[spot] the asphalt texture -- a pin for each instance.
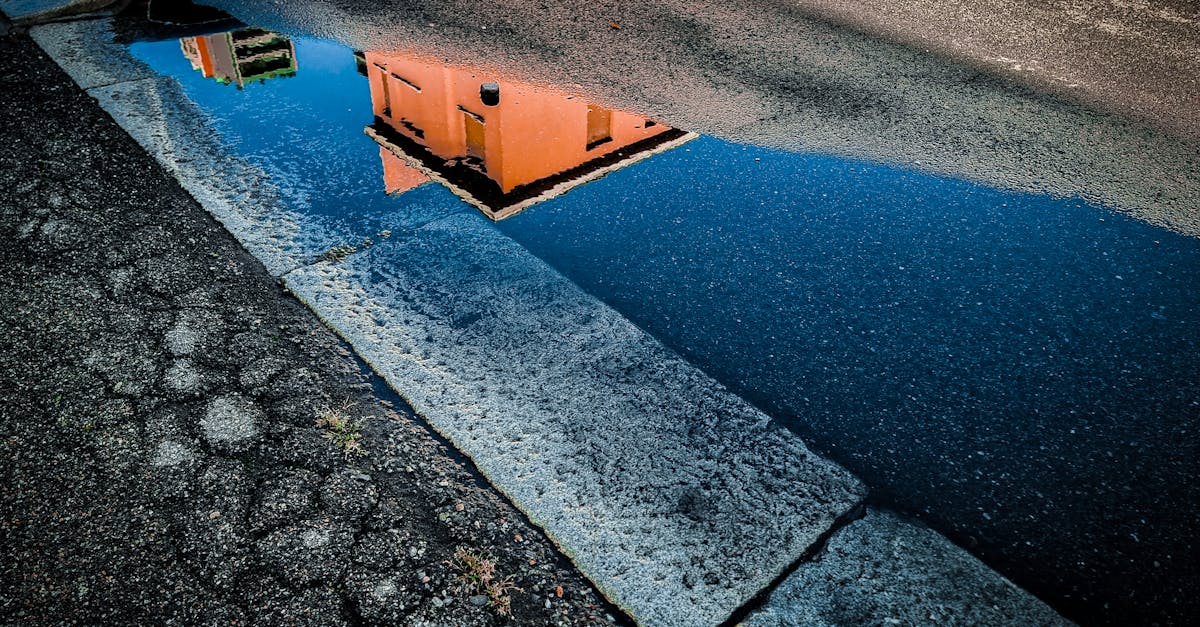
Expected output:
(161, 453)
(1137, 58)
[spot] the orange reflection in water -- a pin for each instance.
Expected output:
(501, 145)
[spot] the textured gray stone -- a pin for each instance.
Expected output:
(285, 498)
(882, 570)
(86, 51)
(171, 453)
(194, 329)
(231, 424)
(183, 379)
(309, 552)
(675, 496)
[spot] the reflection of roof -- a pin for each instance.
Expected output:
(482, 192)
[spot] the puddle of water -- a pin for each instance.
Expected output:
(303, 125)
(1020, 370)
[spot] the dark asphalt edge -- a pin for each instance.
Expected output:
(20, 28)
(7, 28)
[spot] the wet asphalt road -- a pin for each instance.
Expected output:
(754, 87)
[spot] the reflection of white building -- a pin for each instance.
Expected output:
(504, 155)
(241, 56)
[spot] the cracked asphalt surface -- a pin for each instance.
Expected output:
(158, 439)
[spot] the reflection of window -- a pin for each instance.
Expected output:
(387, 97)
(407, 82)
(599, 126)
(475, 134)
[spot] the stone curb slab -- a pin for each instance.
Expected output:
(87, 53)
(680, 500)
(881, 570)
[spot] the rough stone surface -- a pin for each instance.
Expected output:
(114, 506)
(231, 424)
(882, 570)
(86, 50)
(169, 453)
(678, 498)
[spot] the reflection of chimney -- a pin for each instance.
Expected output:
(489, 94)
(500, 145)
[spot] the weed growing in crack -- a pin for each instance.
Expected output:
(344, 431)
(337, 253)
(478, 576)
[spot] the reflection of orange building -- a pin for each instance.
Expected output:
(501, 146)
(241, 56)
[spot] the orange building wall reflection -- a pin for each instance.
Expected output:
(438, 121)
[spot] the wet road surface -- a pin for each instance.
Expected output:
(1018, 369)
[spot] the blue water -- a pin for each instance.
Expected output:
(1023, 372)
(306, 132)
(1020, 371)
